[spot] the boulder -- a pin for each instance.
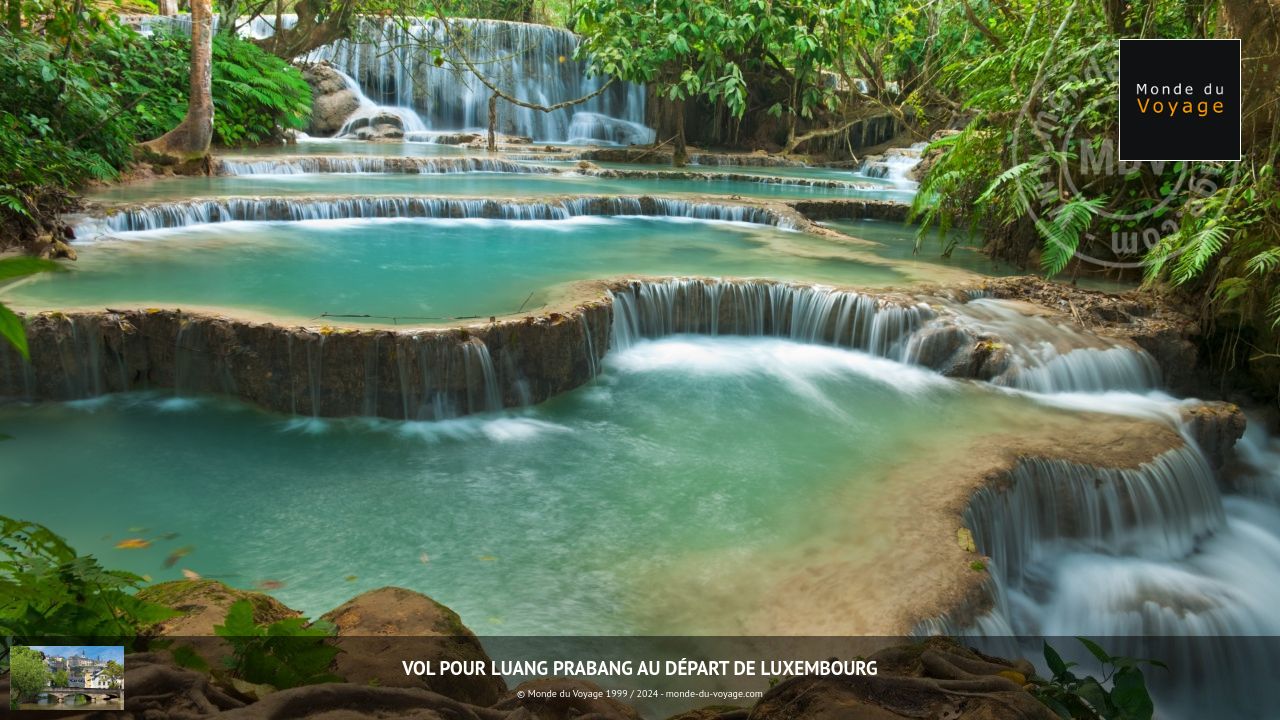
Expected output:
(379, 126)
(201, 605)
(204, 603)
(332, 100)
(545, 699)
(379, 629)
(1215, 426)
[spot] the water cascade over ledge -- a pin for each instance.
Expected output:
(155, 216)
(395, 64)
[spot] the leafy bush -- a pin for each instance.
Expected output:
(1088, 698)
(287, 653)
(75, 103)
(47, 590)
(255, 94)
(58, 129)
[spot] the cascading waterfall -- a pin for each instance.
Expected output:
(373, 164)
(396, 64)
(894, 165)
(1046, 356)
(368, 112)
(804, 313)
(1154, 561)
(155, 216)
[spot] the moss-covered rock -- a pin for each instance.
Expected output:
(381, 628)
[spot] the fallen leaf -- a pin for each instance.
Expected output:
(270, 584)
(488, 558)
(177, 555)
(190, 574)
(351, 578)
(424, 559)
(133, 544)
(169, 536)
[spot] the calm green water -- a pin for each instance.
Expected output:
(569, 517)
(480, 184)
(415, 268)
(896, 242)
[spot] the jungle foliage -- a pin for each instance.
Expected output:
(1035, 167)
(820, 66)
(48, 590)
(79, 91)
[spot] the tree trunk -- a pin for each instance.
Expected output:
(190, 140)
(680, 155)
(168, 7)
(493, 122)
(1257, 24)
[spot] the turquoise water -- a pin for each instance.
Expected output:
(429, 269)
(575, 516)
(896, 242)
(480, 184)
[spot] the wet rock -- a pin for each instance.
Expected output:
(1215, 426)
(365, 372)
(379, 629)
(852, 209)
(332, 100)
(543, 699)
(381, 126)
(202, 604)
(460, 138)
(934, 679)
(1165, 332)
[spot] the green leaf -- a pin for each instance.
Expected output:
(1130, 697)
(1096, 650)
(1054, 660)
(13, 330)
(22, 266)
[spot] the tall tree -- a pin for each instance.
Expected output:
(190, 139)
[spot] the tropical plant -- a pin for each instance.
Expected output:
(287, 653)
(47, 590)
(1120, 694)
(11, 327)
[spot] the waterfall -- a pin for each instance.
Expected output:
(476, 353)
(396, 64)
(155, 216)
(306, 165)
(804, 313)
(1046, 356)
(894, 165)
(368, 112)
(1160, 510)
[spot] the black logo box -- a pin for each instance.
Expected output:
(1194, 65)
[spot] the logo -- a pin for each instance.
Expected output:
(1129, 200)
